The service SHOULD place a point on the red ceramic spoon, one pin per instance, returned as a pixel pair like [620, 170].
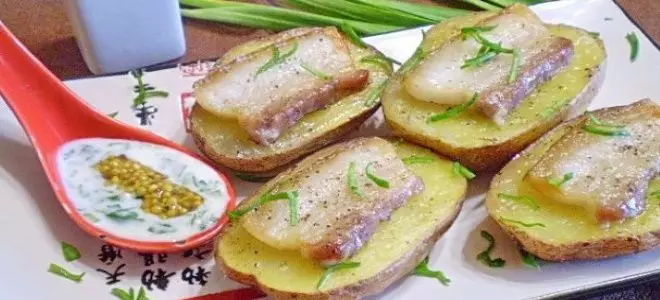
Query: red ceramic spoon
[53, 115]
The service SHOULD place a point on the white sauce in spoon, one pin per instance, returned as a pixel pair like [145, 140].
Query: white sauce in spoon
[94, 199]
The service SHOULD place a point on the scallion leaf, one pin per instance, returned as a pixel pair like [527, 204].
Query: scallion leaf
[334, 268]
[526, 200]
[276, 58]
[379, 60]
[484, 256]
[418, 159]
[655, 194]
[352, 180]
[530, 259]
[515, 66]
[605, 130]
[142, 294]
[121, 294]
[113, 114]
[558, 182]
[276, 18]
[423, 270]
[523, 224]
[595, 120]
[467, 31]
[634, 45]
[377, 180]
[415, 59]
[161, 228]
[479, 60]
[294, 208]
[374, 94]
[123, 215]
[453, 111]
[60, 271]
[70, 252]
[237, 213]
[460, 170]
[91, 217]
[317, 73]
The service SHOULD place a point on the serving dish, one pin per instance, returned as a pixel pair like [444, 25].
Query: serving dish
[33, 224]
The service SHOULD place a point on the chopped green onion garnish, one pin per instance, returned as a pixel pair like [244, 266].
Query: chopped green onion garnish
[252, 178]
[374, 95]
[418, 159]
[467, 31]
[523, 224]
[113, 114]
[558, 182]
[484, 256]
[333, 268]
[60, 271]
[123, 295]
[91, 217]
[515, 66]
[460, 170]
[276, 58]
[598, 122]
[415, 59]
[655, 194]
[380, 60]
[530, 259]
[142, 294]
[527, 200]
[70, 252]
[294, 207]
[377, 180]
[142, 93]
[423, 270]
[594, 34]
[453, 111]
[161, 228]
[634, 45]
[315, 72]
[291, 196]
[352, 180]
[605, 130]
[130, 294]
[123, 215]
[479, 60]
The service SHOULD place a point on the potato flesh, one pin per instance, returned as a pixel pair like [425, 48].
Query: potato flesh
[232, 141]
[472, 129]
[326, 202]
[410, 224]
[610, 174]
[564, 224]
[441, 79]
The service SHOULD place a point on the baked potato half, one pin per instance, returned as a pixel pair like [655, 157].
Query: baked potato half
[472, 138]
[225, 142]
[558, 231]
[393, 251]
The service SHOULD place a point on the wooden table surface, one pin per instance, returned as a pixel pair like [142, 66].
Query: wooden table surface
[43, 27]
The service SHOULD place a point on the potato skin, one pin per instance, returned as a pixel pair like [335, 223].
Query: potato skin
[578, 250]
[262, 164]
[493, 157]
[591, 250]
[372, 286]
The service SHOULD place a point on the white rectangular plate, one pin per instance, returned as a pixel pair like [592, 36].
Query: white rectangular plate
[32, 223]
